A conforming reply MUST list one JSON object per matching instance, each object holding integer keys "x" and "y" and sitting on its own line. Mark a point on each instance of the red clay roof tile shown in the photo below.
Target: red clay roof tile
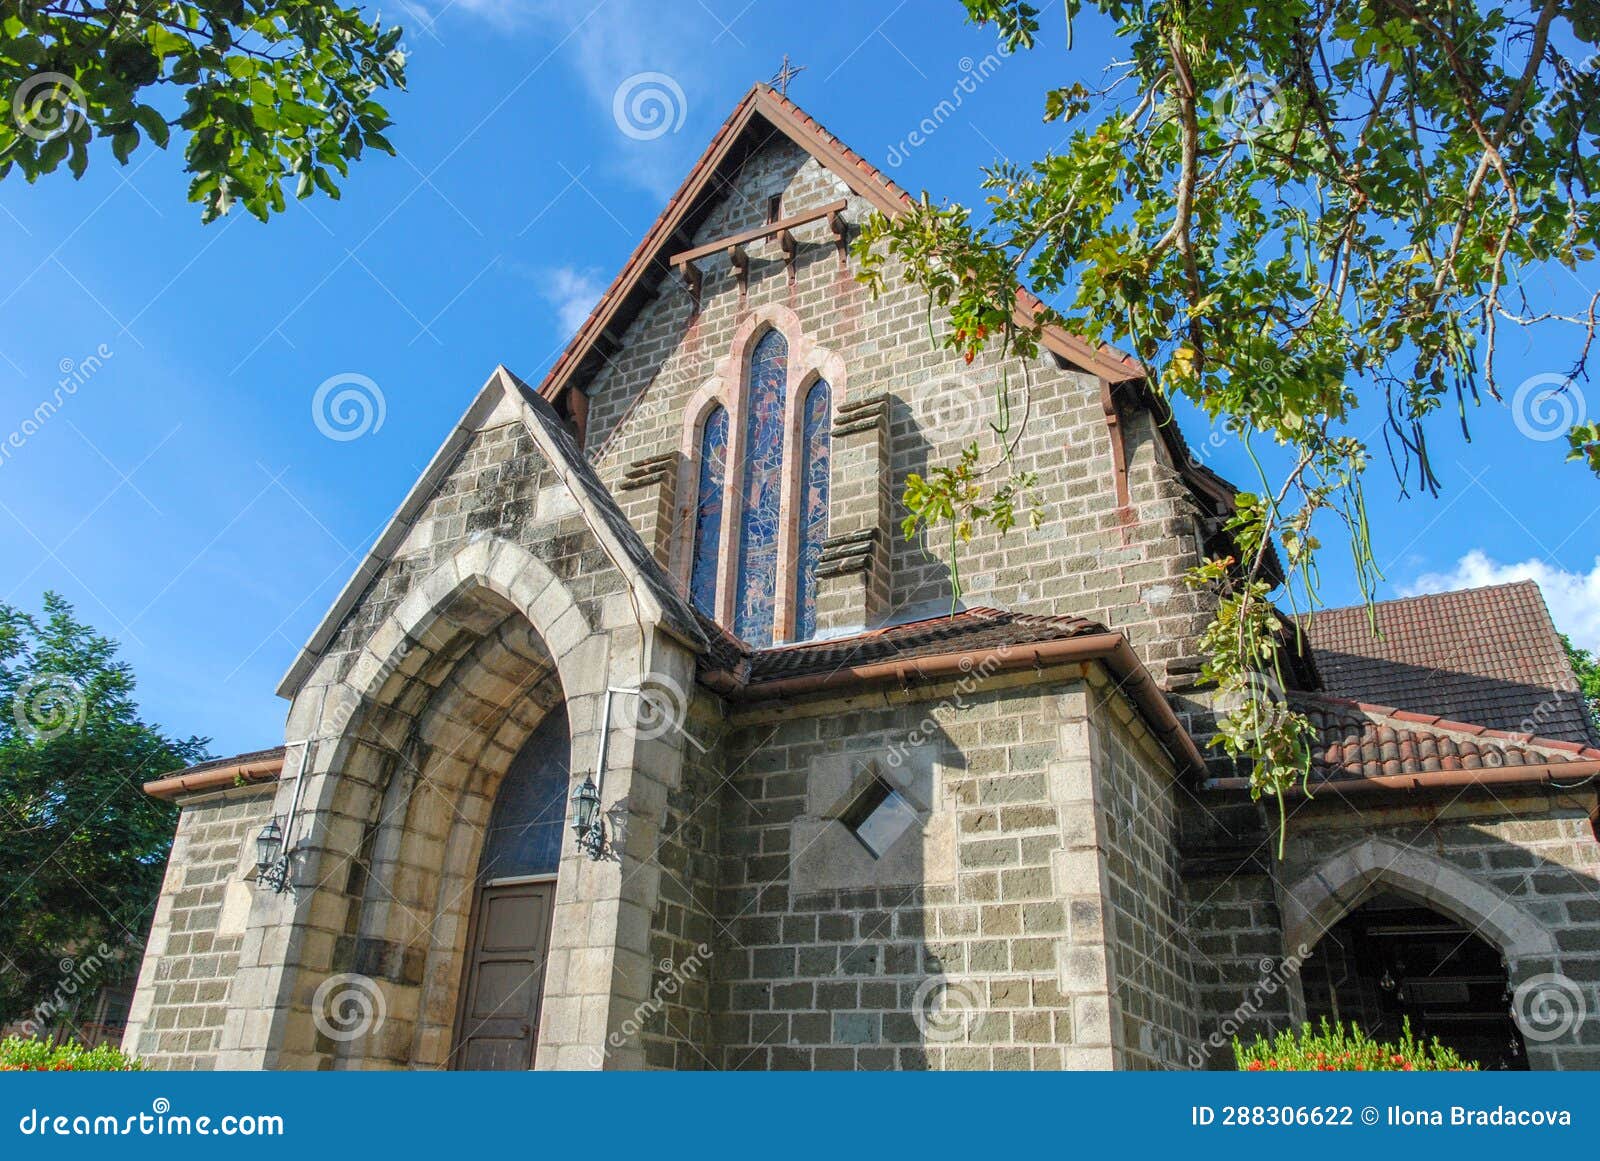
{"x": 1360, "y": 740}
{"x": 1488, "y": 655}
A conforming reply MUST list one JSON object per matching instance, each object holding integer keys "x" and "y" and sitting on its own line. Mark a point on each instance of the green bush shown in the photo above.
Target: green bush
{"x": 1337, "y": 1049}
{"x": 20, "y": 1054}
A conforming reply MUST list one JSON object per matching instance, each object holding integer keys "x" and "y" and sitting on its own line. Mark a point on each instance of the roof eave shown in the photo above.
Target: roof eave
{"x": 1109, "y": 649}
{"x": 1556, "y": 775}
{"x": 183, "y": 784}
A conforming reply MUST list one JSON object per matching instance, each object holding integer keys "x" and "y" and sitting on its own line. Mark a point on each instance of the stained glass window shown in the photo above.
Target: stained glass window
{"x": 524, "y": 835}
{"x": 759, "y": 494}
{"x": 814, "y": 434}
{"x": 708, "y": 512}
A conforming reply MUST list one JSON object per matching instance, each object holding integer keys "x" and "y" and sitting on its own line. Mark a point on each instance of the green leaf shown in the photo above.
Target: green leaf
{"x": 325, "y": 183}
{"x": 153, "y": 123}
{"x": 123, "y": 143}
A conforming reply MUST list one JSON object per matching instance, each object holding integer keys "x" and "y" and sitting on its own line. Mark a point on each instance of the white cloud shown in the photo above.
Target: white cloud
{"x": 573, "y": 293}
{"x": 1573, "y": 597}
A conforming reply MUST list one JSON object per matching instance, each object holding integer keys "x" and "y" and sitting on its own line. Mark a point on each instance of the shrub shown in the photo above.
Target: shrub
{"x": 1337, "y": 1049}
{"x": 30, "y": 1054}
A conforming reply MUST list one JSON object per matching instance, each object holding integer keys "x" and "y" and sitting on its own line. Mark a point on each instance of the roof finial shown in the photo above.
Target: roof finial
{"x": 780, "y": 79}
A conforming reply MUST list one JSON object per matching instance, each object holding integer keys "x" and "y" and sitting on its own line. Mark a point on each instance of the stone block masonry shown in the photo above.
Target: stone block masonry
{"x": 186, "y": 981}
{"x": 999, "y": 959}
{"x": 1090, "y": 558}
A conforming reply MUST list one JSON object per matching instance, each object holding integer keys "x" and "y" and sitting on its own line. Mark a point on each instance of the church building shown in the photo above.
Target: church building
{"x": 645, "y": 738}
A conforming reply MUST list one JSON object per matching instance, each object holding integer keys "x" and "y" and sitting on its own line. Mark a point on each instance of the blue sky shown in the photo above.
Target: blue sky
{"x": 184, "y": 498}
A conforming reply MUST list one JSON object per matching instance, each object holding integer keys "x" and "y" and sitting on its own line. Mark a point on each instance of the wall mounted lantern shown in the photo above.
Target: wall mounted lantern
{"x": 272, "y": 863}
{"x": 586, "y": 821}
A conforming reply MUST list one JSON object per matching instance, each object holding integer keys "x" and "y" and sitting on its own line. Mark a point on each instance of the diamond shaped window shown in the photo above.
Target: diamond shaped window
{"x": 879, "y": 816}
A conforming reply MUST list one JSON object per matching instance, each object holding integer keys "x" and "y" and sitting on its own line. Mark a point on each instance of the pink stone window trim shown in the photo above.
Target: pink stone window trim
{"x": 807, "y": 363}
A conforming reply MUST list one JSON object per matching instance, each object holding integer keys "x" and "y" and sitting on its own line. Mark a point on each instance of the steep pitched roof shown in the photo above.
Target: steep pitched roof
{"x": 504, "y": 398}
{"x": 1488, "y": 655}
{"x": 759, "y": 117}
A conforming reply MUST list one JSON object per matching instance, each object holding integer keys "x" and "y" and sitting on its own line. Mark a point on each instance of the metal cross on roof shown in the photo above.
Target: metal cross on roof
{"x": 780, "y": 79}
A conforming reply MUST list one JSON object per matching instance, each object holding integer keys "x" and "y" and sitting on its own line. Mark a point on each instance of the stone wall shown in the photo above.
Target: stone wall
{"x": 1152, "y": 952}
{"x": 1243, "y": 986}
{"x": 675, "y": 1021}
{"x": 1521, "y": 869}
{"x": 193, "y": 950}
{"x": 991, "y": 954}
{"x": 1090, "y": 559}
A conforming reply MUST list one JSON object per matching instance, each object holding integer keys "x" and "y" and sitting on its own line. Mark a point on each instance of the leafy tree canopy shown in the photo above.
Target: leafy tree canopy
{"x": 1313, "y": 219}
{"x": 267, "y": 91}
{"x": 1587, "y": 669}
{"x": 84, "y": 848}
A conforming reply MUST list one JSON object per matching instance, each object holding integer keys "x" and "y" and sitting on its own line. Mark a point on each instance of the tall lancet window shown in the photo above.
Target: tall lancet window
{"x": 708, "y": 512}
{"x": 814, "y": 447}
{"x": 755, "y": 592}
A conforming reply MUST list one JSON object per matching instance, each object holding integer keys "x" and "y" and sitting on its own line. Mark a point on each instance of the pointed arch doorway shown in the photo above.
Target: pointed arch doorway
{"x": 1391, "y": 963}
{"x": 508, "y": 937}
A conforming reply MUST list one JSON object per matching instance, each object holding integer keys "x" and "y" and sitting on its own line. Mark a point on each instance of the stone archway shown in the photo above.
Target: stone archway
{"x": 491, "y": 680}
{"x": 1318, "y": 899}
{"x": 1314, "y": 903}
{"x": 399, "y": 763}
{"x": 1390, "y": 964}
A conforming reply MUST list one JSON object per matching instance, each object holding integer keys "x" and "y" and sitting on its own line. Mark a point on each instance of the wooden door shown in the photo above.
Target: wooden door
{"x": 510, "y": 940}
